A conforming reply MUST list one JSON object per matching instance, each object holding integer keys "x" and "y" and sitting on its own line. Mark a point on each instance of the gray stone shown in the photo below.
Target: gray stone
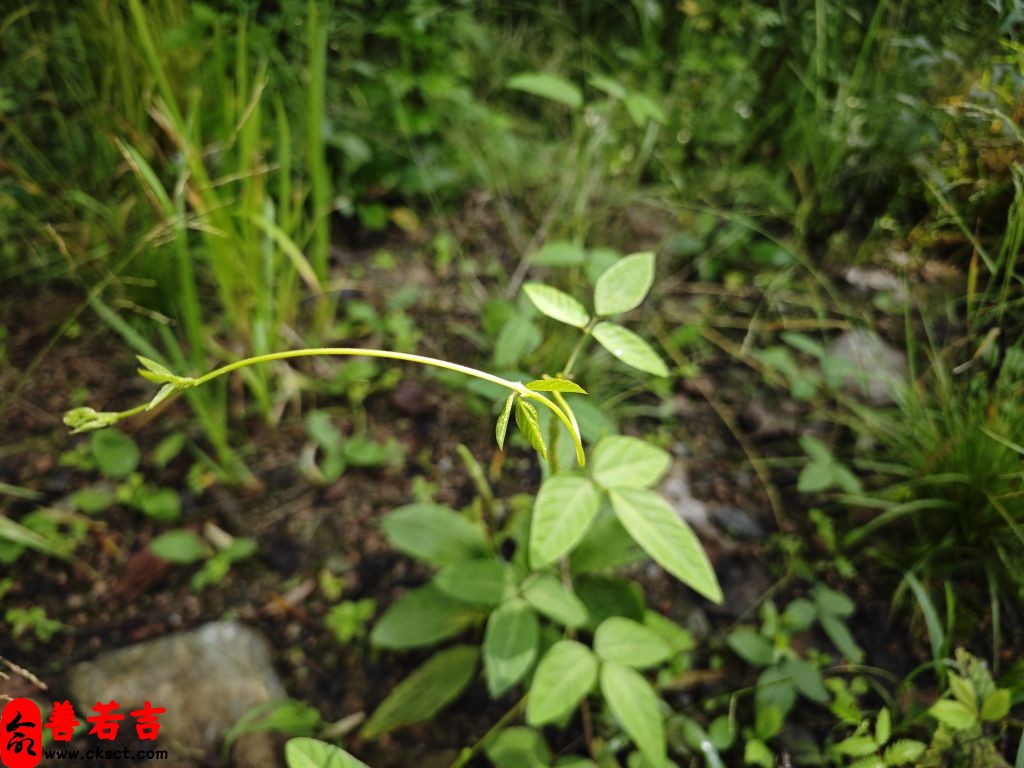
{"x": 206, "y": 679}
{"x": 866, "y": 366}
{"x": 676, "y": 490}
{"x": 738, "y": 523}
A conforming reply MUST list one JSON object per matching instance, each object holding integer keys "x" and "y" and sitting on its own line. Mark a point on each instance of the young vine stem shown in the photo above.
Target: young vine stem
{"x": 86, "y": 419}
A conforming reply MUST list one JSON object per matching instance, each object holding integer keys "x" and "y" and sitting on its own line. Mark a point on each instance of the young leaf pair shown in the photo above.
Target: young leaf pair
{"x": 619, "y": 289}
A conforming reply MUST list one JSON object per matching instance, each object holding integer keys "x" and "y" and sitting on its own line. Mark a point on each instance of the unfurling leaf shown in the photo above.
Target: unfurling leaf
{"x": 501, "y": 428}
{"x": 165, "y": 391}
{"x": 89, "y": 419}
{"x": 528, "y": 422}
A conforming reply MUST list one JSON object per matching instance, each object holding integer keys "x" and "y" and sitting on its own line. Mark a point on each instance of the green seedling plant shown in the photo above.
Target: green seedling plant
{"x": 59, "y": 529}
{"x": 962, "y": 728}
{"x": 555, "y": 624}
{"x": 786, "y": 674}
{"x": 971, "y": 716}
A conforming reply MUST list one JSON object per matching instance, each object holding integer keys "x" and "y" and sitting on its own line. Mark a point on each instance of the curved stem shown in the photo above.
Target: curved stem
{"x": 85, "y": 419}
{"x": 515, "y": 386}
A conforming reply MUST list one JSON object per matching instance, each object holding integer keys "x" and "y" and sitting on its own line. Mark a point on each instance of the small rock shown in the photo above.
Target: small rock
{"x": 743, "y": 581}
{"x": 868, "y": 366}
{"x": 738, "y": 523}
{"x": 766, "y": 423}
{"x": 206, "y": 679}
{"x": 698, "y": 623}
{"x": 877, "y": 281}
{"x": 676, "y": 490}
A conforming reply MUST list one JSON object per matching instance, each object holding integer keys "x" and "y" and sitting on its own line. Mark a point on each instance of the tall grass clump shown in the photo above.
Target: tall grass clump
{"x": 221, "y": 237}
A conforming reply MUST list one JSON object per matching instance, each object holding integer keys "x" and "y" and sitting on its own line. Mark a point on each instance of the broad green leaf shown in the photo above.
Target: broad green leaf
{"x": 856, "y": 746}
{"x": 767, "y": 722}
{"x": 93, "y": 499}
{"x": 629, "y": 348}
{"x": 518, "y": 748}
{"x": 161, "y": 504}
{"x": 482, "y": 582}
{"x": 556, "y": 385}
{"x": 612, "y": 87}
{"x": 433, "y": 533}
{"x": 426, "y": 691}
{"x": 830, "y": 601}
{"x": 807, "y": 679}
{"x": 528, "y": 422}
{"x": 799, "y": 615}
{"x": 547, "y": 595}
{"x": 559, "y": 253}
{"x": 750, "y": 646}
{"x": 883, "y": 727}
{"x": 670, "y": 542}
{"x": 756, "y": 752}
{"x": 501, "y": 428}
{"x": 963, "y": 691}
{"x": 557, "y": 305}
{"x": 629, "y": 642}
{"x": 775, "y": 689}
{"x": 816, "y": 476}
{"x": 421, "y": 617}
{"x": 116, "y": 454}
{"x": 288, "y": 716}
{"x": 678, "y": 638}
{"x": 304, "y": 752}
{"x": 953, "y": 714}
{"x": 841, "y": 637}
{"x": 904, "y": 752}
{"x": 996, "y": 705}
{"x": 635, "y": 705}
{"x": 816, "y": 449}
{"x": 510, "y": 645}
{"x": 624, "y": 285}
{"x": 168, "y": 449}
{"x": 564, "y": 509}
{"x": 643, "y": 109}
{"x": 564, "y": 676}
{"x": 547, "y": 86}
{"x": 182, "y": 547}
{"x": 627, "y": 462}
